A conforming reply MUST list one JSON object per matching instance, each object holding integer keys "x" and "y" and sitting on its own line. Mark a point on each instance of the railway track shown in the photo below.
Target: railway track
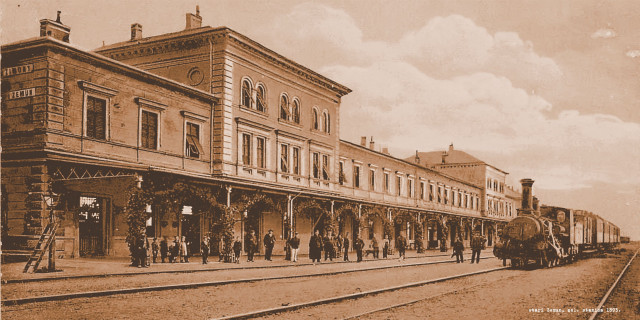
{"x": 599, "y": 309}
{"x": 336, "y": 299}
{"x": 102, "y": 293}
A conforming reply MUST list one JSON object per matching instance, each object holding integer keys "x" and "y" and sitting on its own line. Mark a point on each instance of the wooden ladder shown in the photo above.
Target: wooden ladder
{"x": 45, "y": 241}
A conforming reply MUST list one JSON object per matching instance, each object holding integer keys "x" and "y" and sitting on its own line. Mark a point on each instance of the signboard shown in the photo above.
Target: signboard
{"x": 17, "y": 70}
{"x": 22, "y": 93}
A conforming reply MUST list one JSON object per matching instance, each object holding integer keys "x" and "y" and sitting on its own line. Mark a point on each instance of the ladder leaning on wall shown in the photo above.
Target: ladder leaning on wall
{"x": 45, "y": 241}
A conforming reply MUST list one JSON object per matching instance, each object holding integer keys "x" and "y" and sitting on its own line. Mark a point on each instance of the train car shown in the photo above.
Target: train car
{"x": 624, "y": 239}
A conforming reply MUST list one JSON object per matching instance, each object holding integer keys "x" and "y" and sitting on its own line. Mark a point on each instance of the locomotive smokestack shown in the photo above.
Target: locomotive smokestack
{"x": 527, "y": 196}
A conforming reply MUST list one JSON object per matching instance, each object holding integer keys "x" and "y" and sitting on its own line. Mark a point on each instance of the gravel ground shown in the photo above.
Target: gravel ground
{"x": 211, "y": 302}
{"x": 626, "y": 296}
{"x": 31, "y": 289}
{"x": 530, "y": 295}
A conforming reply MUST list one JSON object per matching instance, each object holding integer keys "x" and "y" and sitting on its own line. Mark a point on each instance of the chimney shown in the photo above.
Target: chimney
{"x": 417, "y": 159}
{"x": 136, "y": 31}
{"x": 527, "y": 196}
{"x": 194, "y": 20}
{"x": 385, "y": 150}
{"x": 451, "y": 147}
{"x": 363, "y": 141}
{"x": 372, "y": 145}
{"x": 444, "y": 157}
{"x": 54, "y": 29}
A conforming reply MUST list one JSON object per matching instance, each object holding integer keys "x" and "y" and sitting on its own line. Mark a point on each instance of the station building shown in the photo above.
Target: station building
{"x": 218, "y": 130}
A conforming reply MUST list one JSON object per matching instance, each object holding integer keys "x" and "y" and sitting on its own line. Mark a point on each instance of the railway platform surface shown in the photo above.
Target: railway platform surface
{"x": 107, "y": 266}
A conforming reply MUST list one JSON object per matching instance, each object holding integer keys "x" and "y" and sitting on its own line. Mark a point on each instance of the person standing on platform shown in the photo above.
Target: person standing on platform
{"x": 294, "y": 244}
{"x": 155, "y": 247}
{"x": 184, "y": 253}
{"x": 237, "y": 249}
{"x": 269, "y": 242}
{"x": 315, "y": 247}
{"x": 339, "y": 242}
{"x": 204, "y": 247}
{"x": 477, "y": 243}
{"x": 376, "y": 247}
{"x": 345, "y": 243}
{"x": 458, "y": 249}
{"x": 250, "y": 245}
{"x": 328, "y": 246}
{"x": 401, "y": 245}
{"x": 385, "y": 246}
{"x": 164, "y": 249}
{"x": 359, "y": 246}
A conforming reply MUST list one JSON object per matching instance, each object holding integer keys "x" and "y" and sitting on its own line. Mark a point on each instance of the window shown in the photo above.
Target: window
{"x": 285, "y": 114}
{"x": 410, "y": 188}
{"x": 341, "y": 179}
{"x": 326, "y": 127}
{"x": 96, "y": 118}
{"x": 356, "y": 176}
{"x": 399, "y": 184}
{"x": 466, "y": 201}
{"x": 431, "y": 192}
{"x": 260, "y": 153}
{"x": 386, "y": 181}
{"x": 284, "y": 158}
{"x": 325, "y": 167}
{"x": 261, "y": 101}
{"x": 296, "y": 160}
{"x": 446, "y": 196}
{"x": 149, "y": 130}
{"x": 439, "y": 194}
{"x": 194, "y": 148}
{"x": 459, "y": 199}
{"x": 422, "y": 190}
{"x": 316, "y": 165}
{"x": 246, "y": 149}
{"x": 245, "y": 98}
{"x": 372, "y": 179}
{"x": 295, "y": 113}
{"x": 315, "y": 125}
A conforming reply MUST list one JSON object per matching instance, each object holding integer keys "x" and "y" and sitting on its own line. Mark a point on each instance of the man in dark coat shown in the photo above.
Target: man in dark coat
{"x": 328, "y": 246}
{"x": 401, "y": 244}
{"x": 458, "y": 248}
{"x": 269, "y": 242}
{"x": 359, "y": 245}
{"x": 164, "y": 249}
{"x": 294, "y": 244}
{"x": 345, "y": 243}
{"x": 205, "y": 250}
{"x": 315, "y": 247}
{"x": 250, "y": 245}
{"x": 477, "y": 242}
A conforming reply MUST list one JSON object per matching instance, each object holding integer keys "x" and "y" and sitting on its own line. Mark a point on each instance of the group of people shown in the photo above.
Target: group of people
{"x": 173, "y": 251}
{"x": 477, "y": 244}
{"x": 331, "y": 245}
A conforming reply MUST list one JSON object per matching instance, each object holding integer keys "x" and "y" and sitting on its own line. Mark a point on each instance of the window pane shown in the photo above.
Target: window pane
{"x": 296, "y": 161}
{"x": 260, "y": 97}
{"x": 261, "y": 153}
{"x": 96, "y": 118}
{"x": 316, "y": 165}
{"x": 284, "y": 158}
{"x": 325, "y": 167}
{"x": 149, "y": 134}
{"x": 246, "y": 149}
{"x": 246, "y": 94}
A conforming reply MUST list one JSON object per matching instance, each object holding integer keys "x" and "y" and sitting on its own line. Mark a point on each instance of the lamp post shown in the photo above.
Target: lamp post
{"x": 51, "y": 199}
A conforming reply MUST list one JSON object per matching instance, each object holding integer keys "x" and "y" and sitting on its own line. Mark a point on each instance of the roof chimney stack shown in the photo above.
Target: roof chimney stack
{"x": 385, "y": 150}
{"x": 136, "y": 31}
{"x": 363, "y": 141}
{"x": 417, "y": 159}
{"x": 194, "y": 21}
{"x": 451, "y": 147}
{"x": 372, "y": 145}
{"x": 54, "y": 29}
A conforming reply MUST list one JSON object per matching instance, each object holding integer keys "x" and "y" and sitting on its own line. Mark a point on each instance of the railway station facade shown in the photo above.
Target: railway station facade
{"x": 205, "y": 132}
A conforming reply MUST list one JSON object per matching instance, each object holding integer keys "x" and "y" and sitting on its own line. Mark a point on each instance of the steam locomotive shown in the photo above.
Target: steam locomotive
{"x": 549, "y": 235}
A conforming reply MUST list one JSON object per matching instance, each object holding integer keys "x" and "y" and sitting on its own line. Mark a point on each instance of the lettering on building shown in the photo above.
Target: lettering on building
{"x": 17, "y": 70}
{"x": 22, "y": 93}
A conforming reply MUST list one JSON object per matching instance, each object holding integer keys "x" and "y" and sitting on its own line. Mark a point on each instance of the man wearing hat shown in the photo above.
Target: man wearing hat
{"x": 269, "y": 242}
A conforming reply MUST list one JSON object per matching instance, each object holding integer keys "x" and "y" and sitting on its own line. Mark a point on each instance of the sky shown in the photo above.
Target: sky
{"x": 548, "y": 90}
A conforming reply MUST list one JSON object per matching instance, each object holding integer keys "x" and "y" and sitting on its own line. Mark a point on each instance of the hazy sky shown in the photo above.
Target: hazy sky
{"x": 543, "y": 89}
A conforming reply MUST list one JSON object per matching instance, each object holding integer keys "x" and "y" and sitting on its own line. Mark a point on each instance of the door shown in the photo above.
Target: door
{"x": 91, "y": 226}
{"x": 191, "y": 232}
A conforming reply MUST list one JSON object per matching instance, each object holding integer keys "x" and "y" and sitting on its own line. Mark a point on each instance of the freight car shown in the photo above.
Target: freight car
{"x": 550, "y": 235}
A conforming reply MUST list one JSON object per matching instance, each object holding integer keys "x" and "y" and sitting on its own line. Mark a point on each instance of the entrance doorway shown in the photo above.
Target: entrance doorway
{"x": 91, "y": 225}
{"x": 191, "y": 232}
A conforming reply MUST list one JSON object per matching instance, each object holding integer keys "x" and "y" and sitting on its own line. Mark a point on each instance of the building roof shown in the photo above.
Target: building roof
{"x": 449, "y": 157}
{"x": 208, "y": 31}
{"x": 110, "y": 63}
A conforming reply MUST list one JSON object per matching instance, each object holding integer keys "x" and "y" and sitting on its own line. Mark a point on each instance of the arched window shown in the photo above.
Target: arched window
{"x": 285, "y": 114}
{"x": 295, "y": 112}
{"x": 326, "y": 122}
{"x": 261, "y": 102}
{"x": 315, "y": 124}
{"x": 245, "y": 99}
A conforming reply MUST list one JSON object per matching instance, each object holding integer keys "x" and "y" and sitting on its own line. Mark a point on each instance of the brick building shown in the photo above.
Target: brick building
{"x": 247, "y": 133}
